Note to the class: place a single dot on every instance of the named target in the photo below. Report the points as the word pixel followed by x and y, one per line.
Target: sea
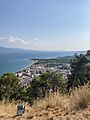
pixel 13 62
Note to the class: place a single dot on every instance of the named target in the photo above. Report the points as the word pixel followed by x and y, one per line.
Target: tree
pixel 43 84
pixel 88 53
pixel 80 70
pixel 10 87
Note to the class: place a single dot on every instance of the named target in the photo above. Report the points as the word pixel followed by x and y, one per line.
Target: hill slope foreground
pixel 75 106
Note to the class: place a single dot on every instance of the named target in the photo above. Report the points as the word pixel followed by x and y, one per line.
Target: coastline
pixel 10 63
pixel 15 65
pixel 28 66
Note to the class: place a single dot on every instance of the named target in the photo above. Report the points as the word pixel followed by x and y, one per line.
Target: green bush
pixel 10 87
pixel 44 83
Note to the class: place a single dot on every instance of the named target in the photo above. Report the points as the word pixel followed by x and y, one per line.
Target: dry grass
pixel 51 101
pixel 8 110
pixel 80 97
pixel 69 107
pixel 55 106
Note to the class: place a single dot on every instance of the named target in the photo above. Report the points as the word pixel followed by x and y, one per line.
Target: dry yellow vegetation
pixel 75 106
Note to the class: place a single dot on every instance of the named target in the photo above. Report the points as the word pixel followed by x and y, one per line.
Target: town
pixel 60 65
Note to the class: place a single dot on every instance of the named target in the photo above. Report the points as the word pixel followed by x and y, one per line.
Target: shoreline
pixel 35 60
pixel 39 62
pixel 25 67
pixel 13 67
pixel 20 69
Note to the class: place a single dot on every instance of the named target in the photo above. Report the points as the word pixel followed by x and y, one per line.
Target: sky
pixel 58 25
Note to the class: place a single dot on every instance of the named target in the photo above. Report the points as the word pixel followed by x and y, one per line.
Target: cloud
pixel 17 40
pixel 12 41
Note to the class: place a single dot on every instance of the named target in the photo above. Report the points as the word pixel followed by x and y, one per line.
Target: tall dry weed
pixel 51 101
pixel 80 97
pixel 7 108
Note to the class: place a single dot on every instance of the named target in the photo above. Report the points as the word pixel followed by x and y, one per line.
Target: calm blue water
pixel 12 62
pixel 13 65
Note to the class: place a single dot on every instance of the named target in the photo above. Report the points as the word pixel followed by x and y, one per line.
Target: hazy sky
pixel 45 24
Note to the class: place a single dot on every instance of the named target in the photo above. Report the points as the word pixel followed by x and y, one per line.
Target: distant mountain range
pixel 19 50
pixel 16 50
pixel 10 50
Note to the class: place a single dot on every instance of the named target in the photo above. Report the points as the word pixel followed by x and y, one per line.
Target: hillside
pixel 9 50
pixel 75 106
